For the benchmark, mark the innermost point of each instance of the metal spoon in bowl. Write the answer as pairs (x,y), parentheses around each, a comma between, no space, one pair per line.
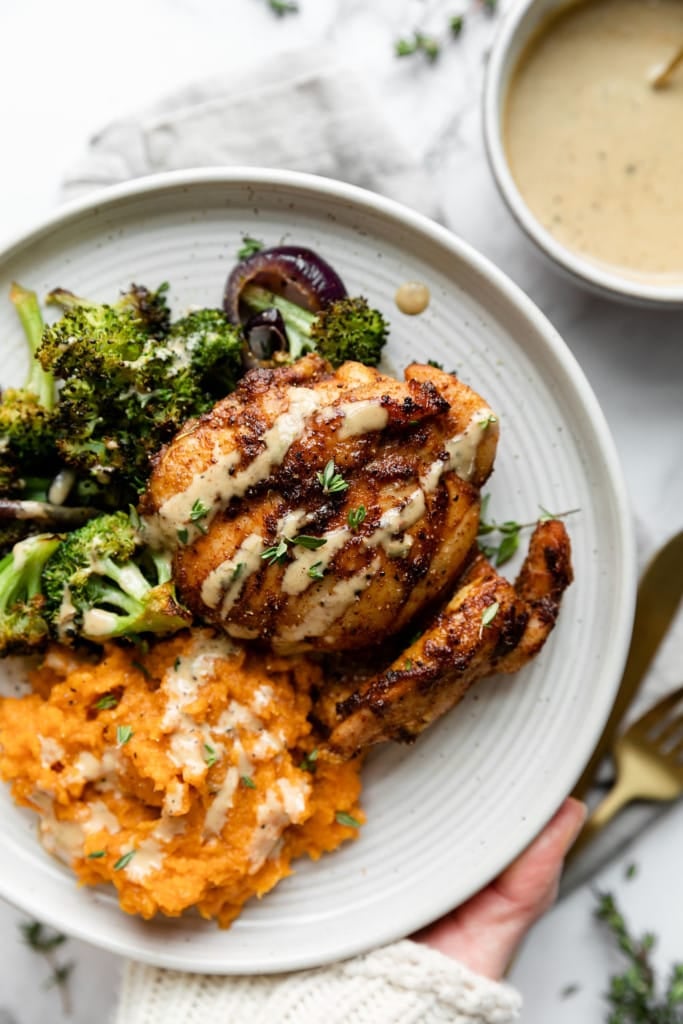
(660,75)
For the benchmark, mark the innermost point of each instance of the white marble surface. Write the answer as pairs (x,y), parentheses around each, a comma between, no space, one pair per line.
(69,68)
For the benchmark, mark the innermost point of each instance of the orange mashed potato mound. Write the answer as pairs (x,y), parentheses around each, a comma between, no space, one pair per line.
(186,776)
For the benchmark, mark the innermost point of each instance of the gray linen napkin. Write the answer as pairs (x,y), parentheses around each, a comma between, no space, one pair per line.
(334,127)
(306,112)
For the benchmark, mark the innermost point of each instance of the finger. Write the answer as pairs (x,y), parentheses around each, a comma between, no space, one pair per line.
(528,881)
(485,931)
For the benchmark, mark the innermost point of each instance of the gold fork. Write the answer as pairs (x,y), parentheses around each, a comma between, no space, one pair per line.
(649,764)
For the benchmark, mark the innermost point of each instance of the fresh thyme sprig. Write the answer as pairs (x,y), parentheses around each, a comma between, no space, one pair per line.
(330,480)
(356,516)
(45,941)
(198,512)
(418,43)
(430,45)
(509,531)
(277,553)
(633,996)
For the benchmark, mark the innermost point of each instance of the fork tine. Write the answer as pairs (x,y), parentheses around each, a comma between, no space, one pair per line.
(656,714)
(669,732)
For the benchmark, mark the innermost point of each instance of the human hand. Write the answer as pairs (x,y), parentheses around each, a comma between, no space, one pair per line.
(485,932)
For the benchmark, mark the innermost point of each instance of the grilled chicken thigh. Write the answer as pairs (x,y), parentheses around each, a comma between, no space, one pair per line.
(272,545)
(488,626)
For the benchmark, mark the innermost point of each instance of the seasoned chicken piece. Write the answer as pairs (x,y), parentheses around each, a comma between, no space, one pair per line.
(488,626)
(321,509)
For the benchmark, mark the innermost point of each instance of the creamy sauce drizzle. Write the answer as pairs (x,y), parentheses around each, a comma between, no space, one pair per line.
(51,751)
(182,683)
(66,614)
(98,623)
(101,819)
(221,482)
(283,805)
(225,582)
(460,453)
(221,803)
(148,858)
(361,418)
(330,607)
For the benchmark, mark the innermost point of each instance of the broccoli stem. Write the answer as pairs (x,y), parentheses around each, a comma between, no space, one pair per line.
(127,576)
(67,300)
(43,513)
(21,570)
(40,382)
(298,321)
(162,565)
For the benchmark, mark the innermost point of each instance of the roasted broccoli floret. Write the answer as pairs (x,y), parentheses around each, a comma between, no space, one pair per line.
(27,421)
(346,329)
(102,583)
(125,392)
(150,309)
(23,622)
(212,349)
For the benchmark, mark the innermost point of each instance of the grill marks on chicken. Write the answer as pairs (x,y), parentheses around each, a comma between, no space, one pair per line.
(488,626)
(244,479)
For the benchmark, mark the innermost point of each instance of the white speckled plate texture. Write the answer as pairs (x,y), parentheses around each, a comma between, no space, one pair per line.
(447,814)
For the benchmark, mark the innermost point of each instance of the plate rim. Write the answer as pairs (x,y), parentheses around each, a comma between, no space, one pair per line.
(624,537)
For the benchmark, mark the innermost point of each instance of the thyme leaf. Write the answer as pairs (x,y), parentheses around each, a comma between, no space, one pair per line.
(308,764)
(123,734)
(39,938)
(198,512)
(276,553)
(489,614)
(356,516)
(344,818)
(107,702)
(310,543)
(330,480)
(124,860)
(282,7)
(249,247)
(316,571)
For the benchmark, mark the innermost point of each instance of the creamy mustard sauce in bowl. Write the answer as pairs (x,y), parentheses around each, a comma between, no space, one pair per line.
(586,152)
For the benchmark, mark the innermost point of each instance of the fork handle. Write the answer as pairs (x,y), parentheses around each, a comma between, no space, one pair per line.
(618,797)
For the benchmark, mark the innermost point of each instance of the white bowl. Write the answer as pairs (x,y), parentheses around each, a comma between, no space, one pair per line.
(447,814)
(515,32)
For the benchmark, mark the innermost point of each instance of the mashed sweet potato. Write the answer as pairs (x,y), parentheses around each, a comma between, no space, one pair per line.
(184,776)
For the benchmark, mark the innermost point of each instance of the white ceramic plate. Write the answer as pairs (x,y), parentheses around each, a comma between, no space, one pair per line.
(446,815)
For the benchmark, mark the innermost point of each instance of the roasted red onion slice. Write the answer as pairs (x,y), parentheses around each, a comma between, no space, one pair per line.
(290,270)
(266,334)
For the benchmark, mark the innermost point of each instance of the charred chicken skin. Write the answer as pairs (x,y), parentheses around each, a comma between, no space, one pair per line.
(329,510)
(268,546)
(488,626)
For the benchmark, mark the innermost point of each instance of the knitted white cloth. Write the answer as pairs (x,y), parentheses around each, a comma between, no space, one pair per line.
(405,983)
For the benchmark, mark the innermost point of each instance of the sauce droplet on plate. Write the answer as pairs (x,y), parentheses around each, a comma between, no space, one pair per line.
(412,298)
